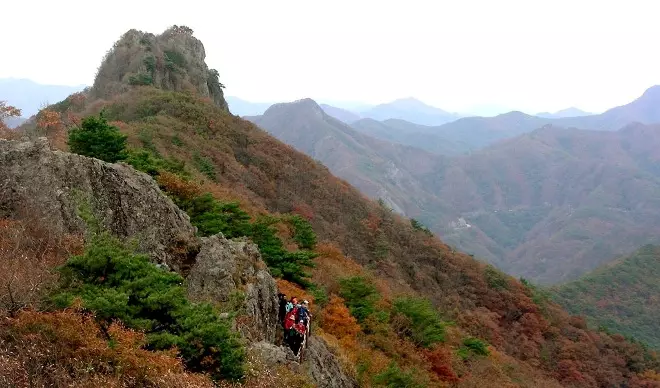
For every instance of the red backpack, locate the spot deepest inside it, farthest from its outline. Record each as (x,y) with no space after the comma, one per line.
(290,318)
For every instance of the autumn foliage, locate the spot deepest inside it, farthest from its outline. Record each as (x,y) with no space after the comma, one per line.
(68,349)
(29,253)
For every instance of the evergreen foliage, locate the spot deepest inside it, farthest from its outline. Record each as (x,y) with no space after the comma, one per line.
(426,327)
(360,296)
(98,139)
(116,283)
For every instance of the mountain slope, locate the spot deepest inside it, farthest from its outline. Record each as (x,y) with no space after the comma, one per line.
(409,109)
(623,296)
(557,202)
(504,332)
(379,169)
(549,205)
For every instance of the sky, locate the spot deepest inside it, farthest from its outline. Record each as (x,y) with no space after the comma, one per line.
(526,55)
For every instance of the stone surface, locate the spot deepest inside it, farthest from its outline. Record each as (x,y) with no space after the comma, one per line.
(225,266)
(53,185)
(323,366)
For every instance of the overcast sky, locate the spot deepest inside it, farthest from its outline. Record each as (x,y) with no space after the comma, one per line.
(529,55)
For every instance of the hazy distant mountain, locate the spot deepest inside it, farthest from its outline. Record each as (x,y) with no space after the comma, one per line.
(340,114)
(29,96)
(457,137)
(13,122)
(555,203)
(379,169)
(568,112)
(549,204)
(472,133)
(410,109)
(242,107)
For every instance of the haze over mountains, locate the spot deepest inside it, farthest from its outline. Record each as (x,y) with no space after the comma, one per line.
(30,96)
(548,204)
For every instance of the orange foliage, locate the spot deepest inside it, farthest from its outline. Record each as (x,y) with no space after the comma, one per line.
(338,321)
(331,266)
(177,186)
(29,253)
(7,111)
(68,349)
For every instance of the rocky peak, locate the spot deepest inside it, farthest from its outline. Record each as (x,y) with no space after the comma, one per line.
(173,60)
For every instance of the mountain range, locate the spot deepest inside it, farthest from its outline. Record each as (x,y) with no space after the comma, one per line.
(568,112)
(549,205)
(30,96)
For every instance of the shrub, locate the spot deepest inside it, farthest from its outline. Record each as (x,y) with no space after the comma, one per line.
(496,279)
(303,233)
(212,217)
(116,283)
(394,377)
(282,263)
(423,324)
(360,296)
(473,346)
(140,79)
(97,139)
(419,226)
(153,165)
(205,166)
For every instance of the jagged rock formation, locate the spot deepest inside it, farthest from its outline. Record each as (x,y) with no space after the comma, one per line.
(55,186)
(225,266)
(173,60)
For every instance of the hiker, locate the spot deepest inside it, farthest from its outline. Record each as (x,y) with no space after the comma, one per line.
(297,337)
(293,303)
(282,311)
(303,313)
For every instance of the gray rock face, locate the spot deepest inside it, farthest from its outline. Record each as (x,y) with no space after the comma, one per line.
(273,355)
(53,185)
(324,368)
(226,266)
(173,60)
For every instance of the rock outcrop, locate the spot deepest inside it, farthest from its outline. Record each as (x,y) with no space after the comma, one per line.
(55,187)
(223,268)
(173,60)
(324,368)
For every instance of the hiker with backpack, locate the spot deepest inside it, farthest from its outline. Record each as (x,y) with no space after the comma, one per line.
(296,324)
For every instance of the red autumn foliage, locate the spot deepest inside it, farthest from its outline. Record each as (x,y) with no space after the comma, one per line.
(440,360)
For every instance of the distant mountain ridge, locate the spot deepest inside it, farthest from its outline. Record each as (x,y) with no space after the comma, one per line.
(29,96)
(379,169)
(549,205)
(568,112)
(340,114)
(412,110)
(469,134)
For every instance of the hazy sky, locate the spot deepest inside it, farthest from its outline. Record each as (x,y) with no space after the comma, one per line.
(529,55)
